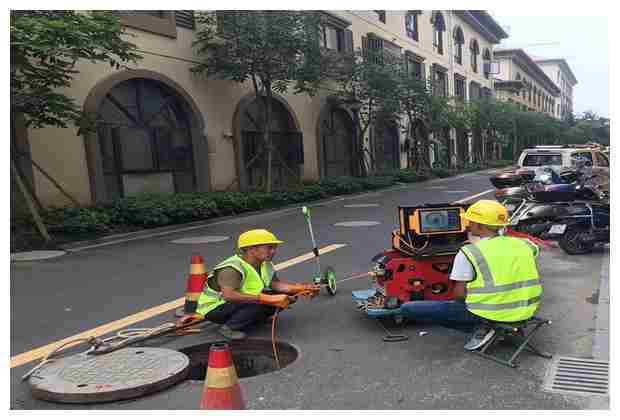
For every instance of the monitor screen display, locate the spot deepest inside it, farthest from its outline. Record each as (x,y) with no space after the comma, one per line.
(440,220)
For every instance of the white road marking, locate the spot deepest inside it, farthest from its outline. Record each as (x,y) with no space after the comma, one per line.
(359,223)
(462,200)
(201,240)
(354,206)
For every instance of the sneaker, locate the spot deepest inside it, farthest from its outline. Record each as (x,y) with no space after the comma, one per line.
(231,334)
(479,338)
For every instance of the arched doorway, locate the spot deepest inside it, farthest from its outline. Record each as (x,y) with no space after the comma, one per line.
(145,139)
(386,147)
(337,148)
(287,146)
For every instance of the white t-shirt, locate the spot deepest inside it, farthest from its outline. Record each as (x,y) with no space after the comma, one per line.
(462,270)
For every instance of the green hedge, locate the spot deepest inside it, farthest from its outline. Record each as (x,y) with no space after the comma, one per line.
(156,210)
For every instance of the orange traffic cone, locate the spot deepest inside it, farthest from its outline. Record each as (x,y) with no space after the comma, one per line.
(195,283)
(221,389)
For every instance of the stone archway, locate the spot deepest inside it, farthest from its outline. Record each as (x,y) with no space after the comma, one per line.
(147,137)
(250,148)
(336,143)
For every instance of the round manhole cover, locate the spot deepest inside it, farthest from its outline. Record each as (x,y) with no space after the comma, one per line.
(35,255)
(201,240)
(360,223)
(123,374)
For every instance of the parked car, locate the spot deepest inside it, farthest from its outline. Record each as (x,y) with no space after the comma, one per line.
(561,158)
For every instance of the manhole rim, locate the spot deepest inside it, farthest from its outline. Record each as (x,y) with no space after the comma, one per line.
(247,378)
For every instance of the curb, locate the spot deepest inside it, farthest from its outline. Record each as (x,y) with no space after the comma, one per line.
(149,233)
(600,345)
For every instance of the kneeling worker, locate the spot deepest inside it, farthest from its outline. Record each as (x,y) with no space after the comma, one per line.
(235,292)
(496,277)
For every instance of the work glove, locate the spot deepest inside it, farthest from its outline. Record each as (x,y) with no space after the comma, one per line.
(280,301)
(188,319)
(306,289)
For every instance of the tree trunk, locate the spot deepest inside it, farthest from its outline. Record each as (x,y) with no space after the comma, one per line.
(267,137)
(29,201)
(52,180)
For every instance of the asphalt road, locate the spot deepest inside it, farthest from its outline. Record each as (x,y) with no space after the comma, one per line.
(343,362)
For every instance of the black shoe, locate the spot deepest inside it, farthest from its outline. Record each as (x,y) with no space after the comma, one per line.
(231,334)
(479,338)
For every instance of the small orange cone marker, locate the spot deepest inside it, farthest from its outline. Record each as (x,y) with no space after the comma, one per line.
(221,389)
(195,283)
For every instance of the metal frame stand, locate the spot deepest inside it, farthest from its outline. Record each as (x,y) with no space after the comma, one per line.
(515,332)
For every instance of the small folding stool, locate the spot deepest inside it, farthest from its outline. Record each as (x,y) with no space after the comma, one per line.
(518,333)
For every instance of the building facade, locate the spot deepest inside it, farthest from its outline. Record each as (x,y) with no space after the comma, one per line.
(559,71)
(520,80)
(163,129)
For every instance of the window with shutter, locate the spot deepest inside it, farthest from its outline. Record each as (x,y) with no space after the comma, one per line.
(161,22)
(185,19)
(411,24)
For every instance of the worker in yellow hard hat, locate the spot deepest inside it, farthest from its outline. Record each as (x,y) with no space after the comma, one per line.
(496,277)
(244,290)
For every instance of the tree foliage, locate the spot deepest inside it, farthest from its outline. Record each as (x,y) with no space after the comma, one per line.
(277,51)
(46,46)
(368,80)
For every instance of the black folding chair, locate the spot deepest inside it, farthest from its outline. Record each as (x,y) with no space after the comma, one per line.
(517,333)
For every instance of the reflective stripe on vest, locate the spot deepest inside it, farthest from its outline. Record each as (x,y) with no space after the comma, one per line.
(252,283)
(507,286)
(491,287)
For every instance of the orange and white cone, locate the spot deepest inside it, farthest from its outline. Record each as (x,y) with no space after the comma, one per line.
(195,284)
(221,389)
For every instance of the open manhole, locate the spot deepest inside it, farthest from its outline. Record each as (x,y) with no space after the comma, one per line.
(251,357)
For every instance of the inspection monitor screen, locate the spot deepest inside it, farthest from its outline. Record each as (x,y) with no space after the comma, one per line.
(441,220)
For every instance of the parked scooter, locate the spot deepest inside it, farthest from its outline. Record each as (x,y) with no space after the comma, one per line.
(578,226)
(548,186)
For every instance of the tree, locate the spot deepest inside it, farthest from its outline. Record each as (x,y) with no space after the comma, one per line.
(46,46)
(275,50)
(414,96)
(367,79)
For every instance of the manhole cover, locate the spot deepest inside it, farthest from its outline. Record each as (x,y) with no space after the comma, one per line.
(578,376)
(35,255)
(251,357)
(120,375)
(354,206)
(360,223)
(201,240)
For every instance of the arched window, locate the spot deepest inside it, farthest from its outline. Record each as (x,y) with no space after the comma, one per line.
(459,40)
(439,26)
(145,141)
(486,65)
(411,24)
(474,50)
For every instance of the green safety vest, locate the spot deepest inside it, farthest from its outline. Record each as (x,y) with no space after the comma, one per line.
(251,282)
(507,287)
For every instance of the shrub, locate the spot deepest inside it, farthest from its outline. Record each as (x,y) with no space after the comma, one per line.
(78,220)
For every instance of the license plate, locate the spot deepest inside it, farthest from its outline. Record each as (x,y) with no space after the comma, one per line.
(557,229)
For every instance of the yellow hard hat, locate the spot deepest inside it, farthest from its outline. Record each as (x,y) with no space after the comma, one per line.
(257,237)
(487,212)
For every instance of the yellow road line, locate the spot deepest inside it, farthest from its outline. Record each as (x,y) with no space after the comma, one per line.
(40,352)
